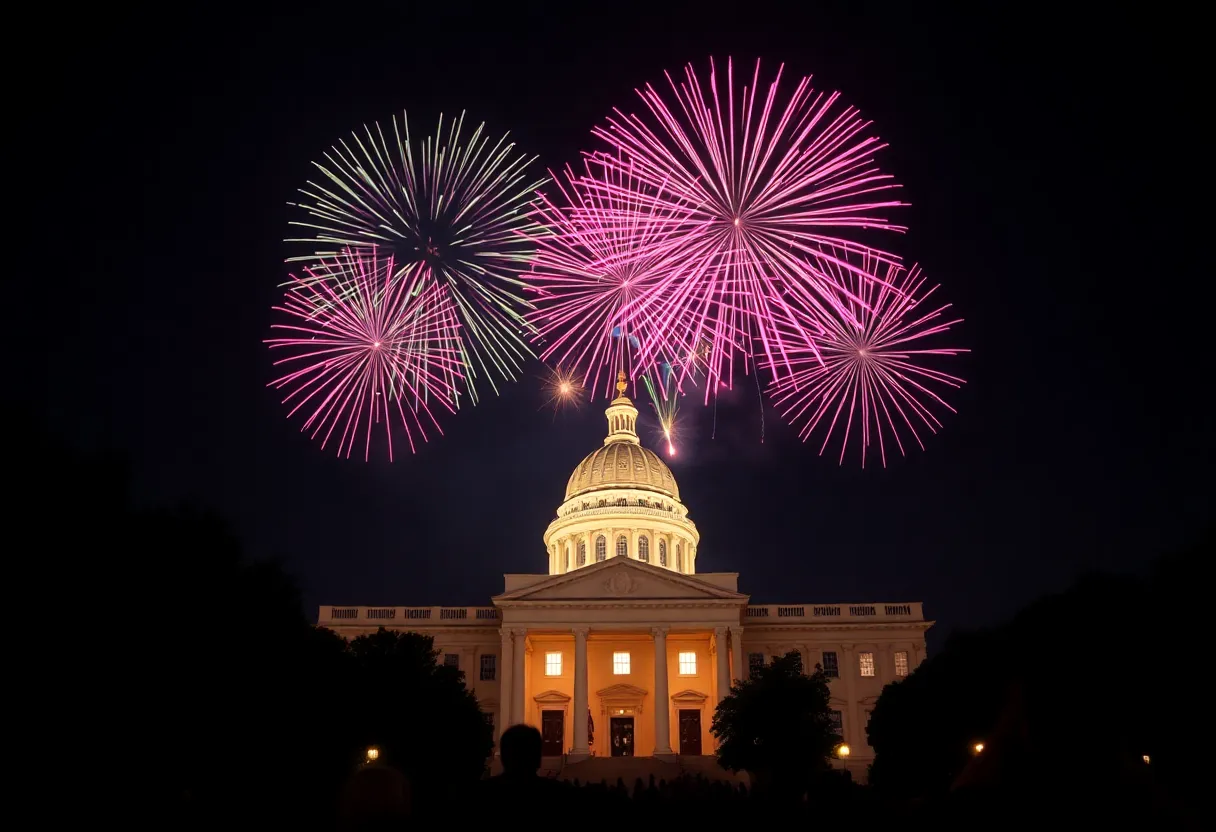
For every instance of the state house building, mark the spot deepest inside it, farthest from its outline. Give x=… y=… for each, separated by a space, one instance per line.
x=625 y=632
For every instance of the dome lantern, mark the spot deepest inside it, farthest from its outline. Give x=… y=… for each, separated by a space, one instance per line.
x=622 y=416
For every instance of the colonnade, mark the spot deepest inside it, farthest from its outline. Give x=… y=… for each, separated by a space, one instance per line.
x=513 y=709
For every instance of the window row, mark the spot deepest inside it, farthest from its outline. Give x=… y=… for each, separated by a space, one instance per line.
x=622 y=663
x=623 y=501
x=831 y=663
x=622 y=550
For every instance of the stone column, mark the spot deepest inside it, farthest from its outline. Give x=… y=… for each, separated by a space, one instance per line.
x=580 y=751
x=723 y=666
x=504 y=682
x=662 y=699
x=850 y=670
x=519 y=653
x=736 y=654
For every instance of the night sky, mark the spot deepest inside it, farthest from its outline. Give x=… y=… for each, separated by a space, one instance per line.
x=1042 y=157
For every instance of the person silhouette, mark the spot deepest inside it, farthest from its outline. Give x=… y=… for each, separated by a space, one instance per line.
x=519 y=786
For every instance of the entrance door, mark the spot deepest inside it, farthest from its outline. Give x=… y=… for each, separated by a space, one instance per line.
x=690 y=731
x=552 y=733
x=622 y=736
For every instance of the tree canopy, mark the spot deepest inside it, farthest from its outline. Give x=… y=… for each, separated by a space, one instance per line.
x=776 y=725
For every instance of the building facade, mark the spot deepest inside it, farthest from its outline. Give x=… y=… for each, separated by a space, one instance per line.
x=623 y=631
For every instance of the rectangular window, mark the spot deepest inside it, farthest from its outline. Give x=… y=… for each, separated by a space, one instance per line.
x=553 y=664
x=688 y=664
x=451 y=660
x=755 y=663
x=831 y=668
x=867 y=663
x=797 y=660
x=489 y=668
x=901 y=662
x=620 y=664
x=837 y=723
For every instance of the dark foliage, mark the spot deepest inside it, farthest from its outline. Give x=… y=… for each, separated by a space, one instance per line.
x=1067 y=693
x=776 y=726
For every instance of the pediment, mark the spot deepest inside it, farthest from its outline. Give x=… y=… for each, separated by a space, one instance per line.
x=621 y=579
x=689 y=697
x=622 y=691
x=552 y=697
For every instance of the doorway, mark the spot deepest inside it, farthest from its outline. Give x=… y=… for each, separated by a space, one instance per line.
x=552 y=733
x=622 y=736
x=690 y=732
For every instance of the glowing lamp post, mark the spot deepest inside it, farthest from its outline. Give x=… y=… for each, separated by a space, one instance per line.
x=842 y=753
x=978 y=747
x=373 y=754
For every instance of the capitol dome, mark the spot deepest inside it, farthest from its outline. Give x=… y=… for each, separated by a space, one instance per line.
x=624 y=465
x=622 y=501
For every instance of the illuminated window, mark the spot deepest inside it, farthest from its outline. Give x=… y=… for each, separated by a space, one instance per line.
x=831 y=668
x=622 y=547
x=601 y=548
x=582 y=553
x=644 y=548
x=901 y=662
x=451 y=660
x=620 y=664
x=797 y=660
x=755 y=663
x=688 y=664
x=662 y=553
x=867 y=663
x=553 y=664
x=836 y=721
x=489 y=668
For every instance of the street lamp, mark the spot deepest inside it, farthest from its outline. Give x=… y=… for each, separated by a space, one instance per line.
x=373 y=754
x=843 y=751
x=978 y=747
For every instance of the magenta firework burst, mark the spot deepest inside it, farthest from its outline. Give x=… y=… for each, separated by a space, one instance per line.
x=361 y=347
x=751 y=199
x=871 y=381
x=600 y=277
x=452 y=209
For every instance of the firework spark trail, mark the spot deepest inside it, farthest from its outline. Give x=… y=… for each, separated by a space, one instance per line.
x=754 y=199
x=664 y=398
x=454 y=212
x=871 y=378
x=362 y=342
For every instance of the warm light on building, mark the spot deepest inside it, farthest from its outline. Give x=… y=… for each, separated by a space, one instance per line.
x=373 y=754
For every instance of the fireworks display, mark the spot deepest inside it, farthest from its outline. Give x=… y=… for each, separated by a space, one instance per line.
x=871 y=382
x=359 y=345
x=731 y=225
x=452 y=209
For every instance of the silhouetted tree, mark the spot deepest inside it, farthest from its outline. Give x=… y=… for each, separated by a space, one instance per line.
x=417 y=711
x=776 y=726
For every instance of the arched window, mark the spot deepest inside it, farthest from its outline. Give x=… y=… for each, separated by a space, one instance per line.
x=679 y=557
x=582 y=553
x=622 y=502
x=601 y=548
x=644 y=548
x=622 y=547
x=662 y=553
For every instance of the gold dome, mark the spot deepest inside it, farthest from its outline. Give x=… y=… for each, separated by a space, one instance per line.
x=622 y=462
x=622 y=465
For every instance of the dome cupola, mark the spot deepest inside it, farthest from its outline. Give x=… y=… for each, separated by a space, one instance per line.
x=622 y=501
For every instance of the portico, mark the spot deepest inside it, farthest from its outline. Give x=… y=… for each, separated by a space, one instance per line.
x=607 y=644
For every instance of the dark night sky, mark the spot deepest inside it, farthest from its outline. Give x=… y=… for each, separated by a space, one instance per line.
x=1041 y=156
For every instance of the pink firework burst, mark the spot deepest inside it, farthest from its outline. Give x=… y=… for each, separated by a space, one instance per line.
x=361 y=345
x=870 y=379
x=761 y=197
x=600 y=278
